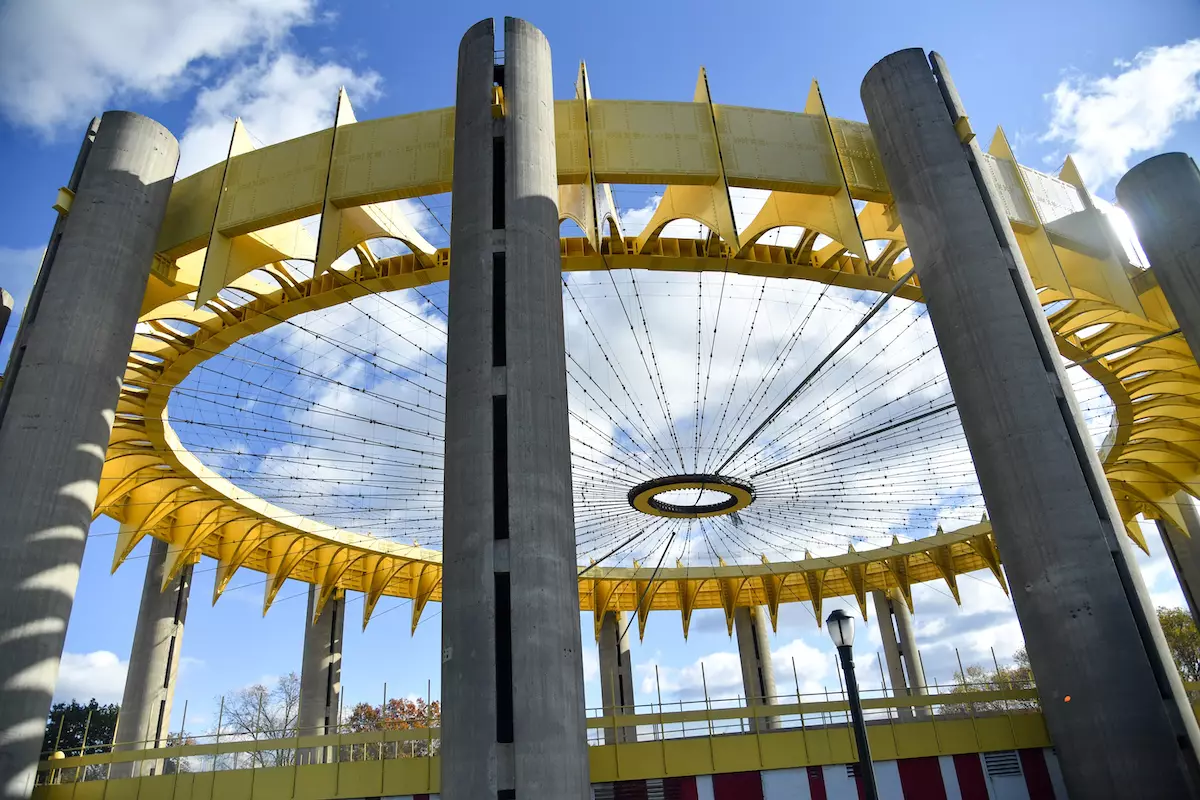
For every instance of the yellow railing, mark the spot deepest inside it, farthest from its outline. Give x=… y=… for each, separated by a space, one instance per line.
x=682 y=738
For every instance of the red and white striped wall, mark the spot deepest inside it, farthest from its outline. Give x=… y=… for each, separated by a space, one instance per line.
x=1010 y=775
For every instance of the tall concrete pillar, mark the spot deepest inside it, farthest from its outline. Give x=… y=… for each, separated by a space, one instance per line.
x=908 y=650
x=321 y=675
x=616 y=676
x=145 y=716
x=758 y=674
x=6 y=309
x=58 y=413
x=1183 y=548
x=1161 y=195
x=1089 y=627
x=891 y=651
x=512 y=670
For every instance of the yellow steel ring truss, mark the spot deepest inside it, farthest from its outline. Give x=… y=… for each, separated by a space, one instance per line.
x=241 y=216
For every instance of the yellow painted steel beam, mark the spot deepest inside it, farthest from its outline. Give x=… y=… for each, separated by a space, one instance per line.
x=694 y=755
x=242 y=215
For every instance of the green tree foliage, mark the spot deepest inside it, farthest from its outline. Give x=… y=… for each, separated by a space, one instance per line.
x=66 y=726
x=67 y=722
x=1183 y=640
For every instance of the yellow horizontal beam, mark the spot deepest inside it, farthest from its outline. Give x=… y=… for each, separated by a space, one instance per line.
x=664 y=757
x=644 y=719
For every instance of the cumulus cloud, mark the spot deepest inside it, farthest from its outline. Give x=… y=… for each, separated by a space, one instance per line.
x=63 y=61
x=280 y=96
x=1104 y=122
x=721 y=672
x=99 y=674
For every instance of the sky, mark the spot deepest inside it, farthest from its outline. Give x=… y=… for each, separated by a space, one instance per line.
x=1111 y=83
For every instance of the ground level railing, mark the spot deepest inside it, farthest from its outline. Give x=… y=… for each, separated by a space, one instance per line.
x=681 y=737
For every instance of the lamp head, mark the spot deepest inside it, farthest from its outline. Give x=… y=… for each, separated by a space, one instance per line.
x=841 y=628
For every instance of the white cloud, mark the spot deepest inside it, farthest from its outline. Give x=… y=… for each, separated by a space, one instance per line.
x=721 y=673
x=279 y=97
x=1105 y=121
x=633 y=220
x=99 y=674
x=63 y=61
x=1158 y=572
x=591 y=660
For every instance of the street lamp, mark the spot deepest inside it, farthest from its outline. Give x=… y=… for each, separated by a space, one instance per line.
x=841 y=630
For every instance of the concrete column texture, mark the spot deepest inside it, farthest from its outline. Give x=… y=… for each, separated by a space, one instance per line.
x=1183 y=548
x=891 y=650
x=512 y=671
x=908 y=650
x=321 y=674
x=1161 y=195
x=758 y=674
x=145 y=716
x=1089 y=628
x=616 y=675
x=56 y=423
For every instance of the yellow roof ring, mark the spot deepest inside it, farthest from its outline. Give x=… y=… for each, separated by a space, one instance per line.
x=145 y=453
x=645 y=496
x=244 y=215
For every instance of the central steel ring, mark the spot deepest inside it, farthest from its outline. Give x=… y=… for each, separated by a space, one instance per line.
x=644 y=496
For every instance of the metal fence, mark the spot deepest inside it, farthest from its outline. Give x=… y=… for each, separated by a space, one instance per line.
x=654 y=721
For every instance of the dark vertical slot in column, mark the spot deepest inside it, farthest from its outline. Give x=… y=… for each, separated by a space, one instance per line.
x=497 y=182
x=332 y=609
x=499 y=342
x=504 y=678
x=500 y=466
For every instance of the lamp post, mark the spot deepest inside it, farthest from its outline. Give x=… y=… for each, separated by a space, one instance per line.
x=841 y=630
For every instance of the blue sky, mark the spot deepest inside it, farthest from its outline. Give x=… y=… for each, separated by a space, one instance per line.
x=1113 y=82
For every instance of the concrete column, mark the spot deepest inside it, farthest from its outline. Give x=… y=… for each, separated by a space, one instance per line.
x=321 y=675
x=512 y=671
x=34 y=301
x=57 y=416
x=908 y=650
x=616 y=676
x=891 y=651
x=1089 y=627
x=6 y=309
x=153 y=664
x=758 y=674
x=1183 y=548
x=1161 y=195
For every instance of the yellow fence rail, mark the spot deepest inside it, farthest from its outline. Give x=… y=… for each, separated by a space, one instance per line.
x=681 y=738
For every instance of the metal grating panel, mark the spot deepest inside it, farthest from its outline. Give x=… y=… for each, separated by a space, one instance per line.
x=1002 y=763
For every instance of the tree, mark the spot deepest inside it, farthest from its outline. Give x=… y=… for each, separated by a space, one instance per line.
x=979 y=679
x=399 y=714
x=65 y=729
x=1183 y=640
x=174 y=765
x=67 y=722
x=260 y=712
